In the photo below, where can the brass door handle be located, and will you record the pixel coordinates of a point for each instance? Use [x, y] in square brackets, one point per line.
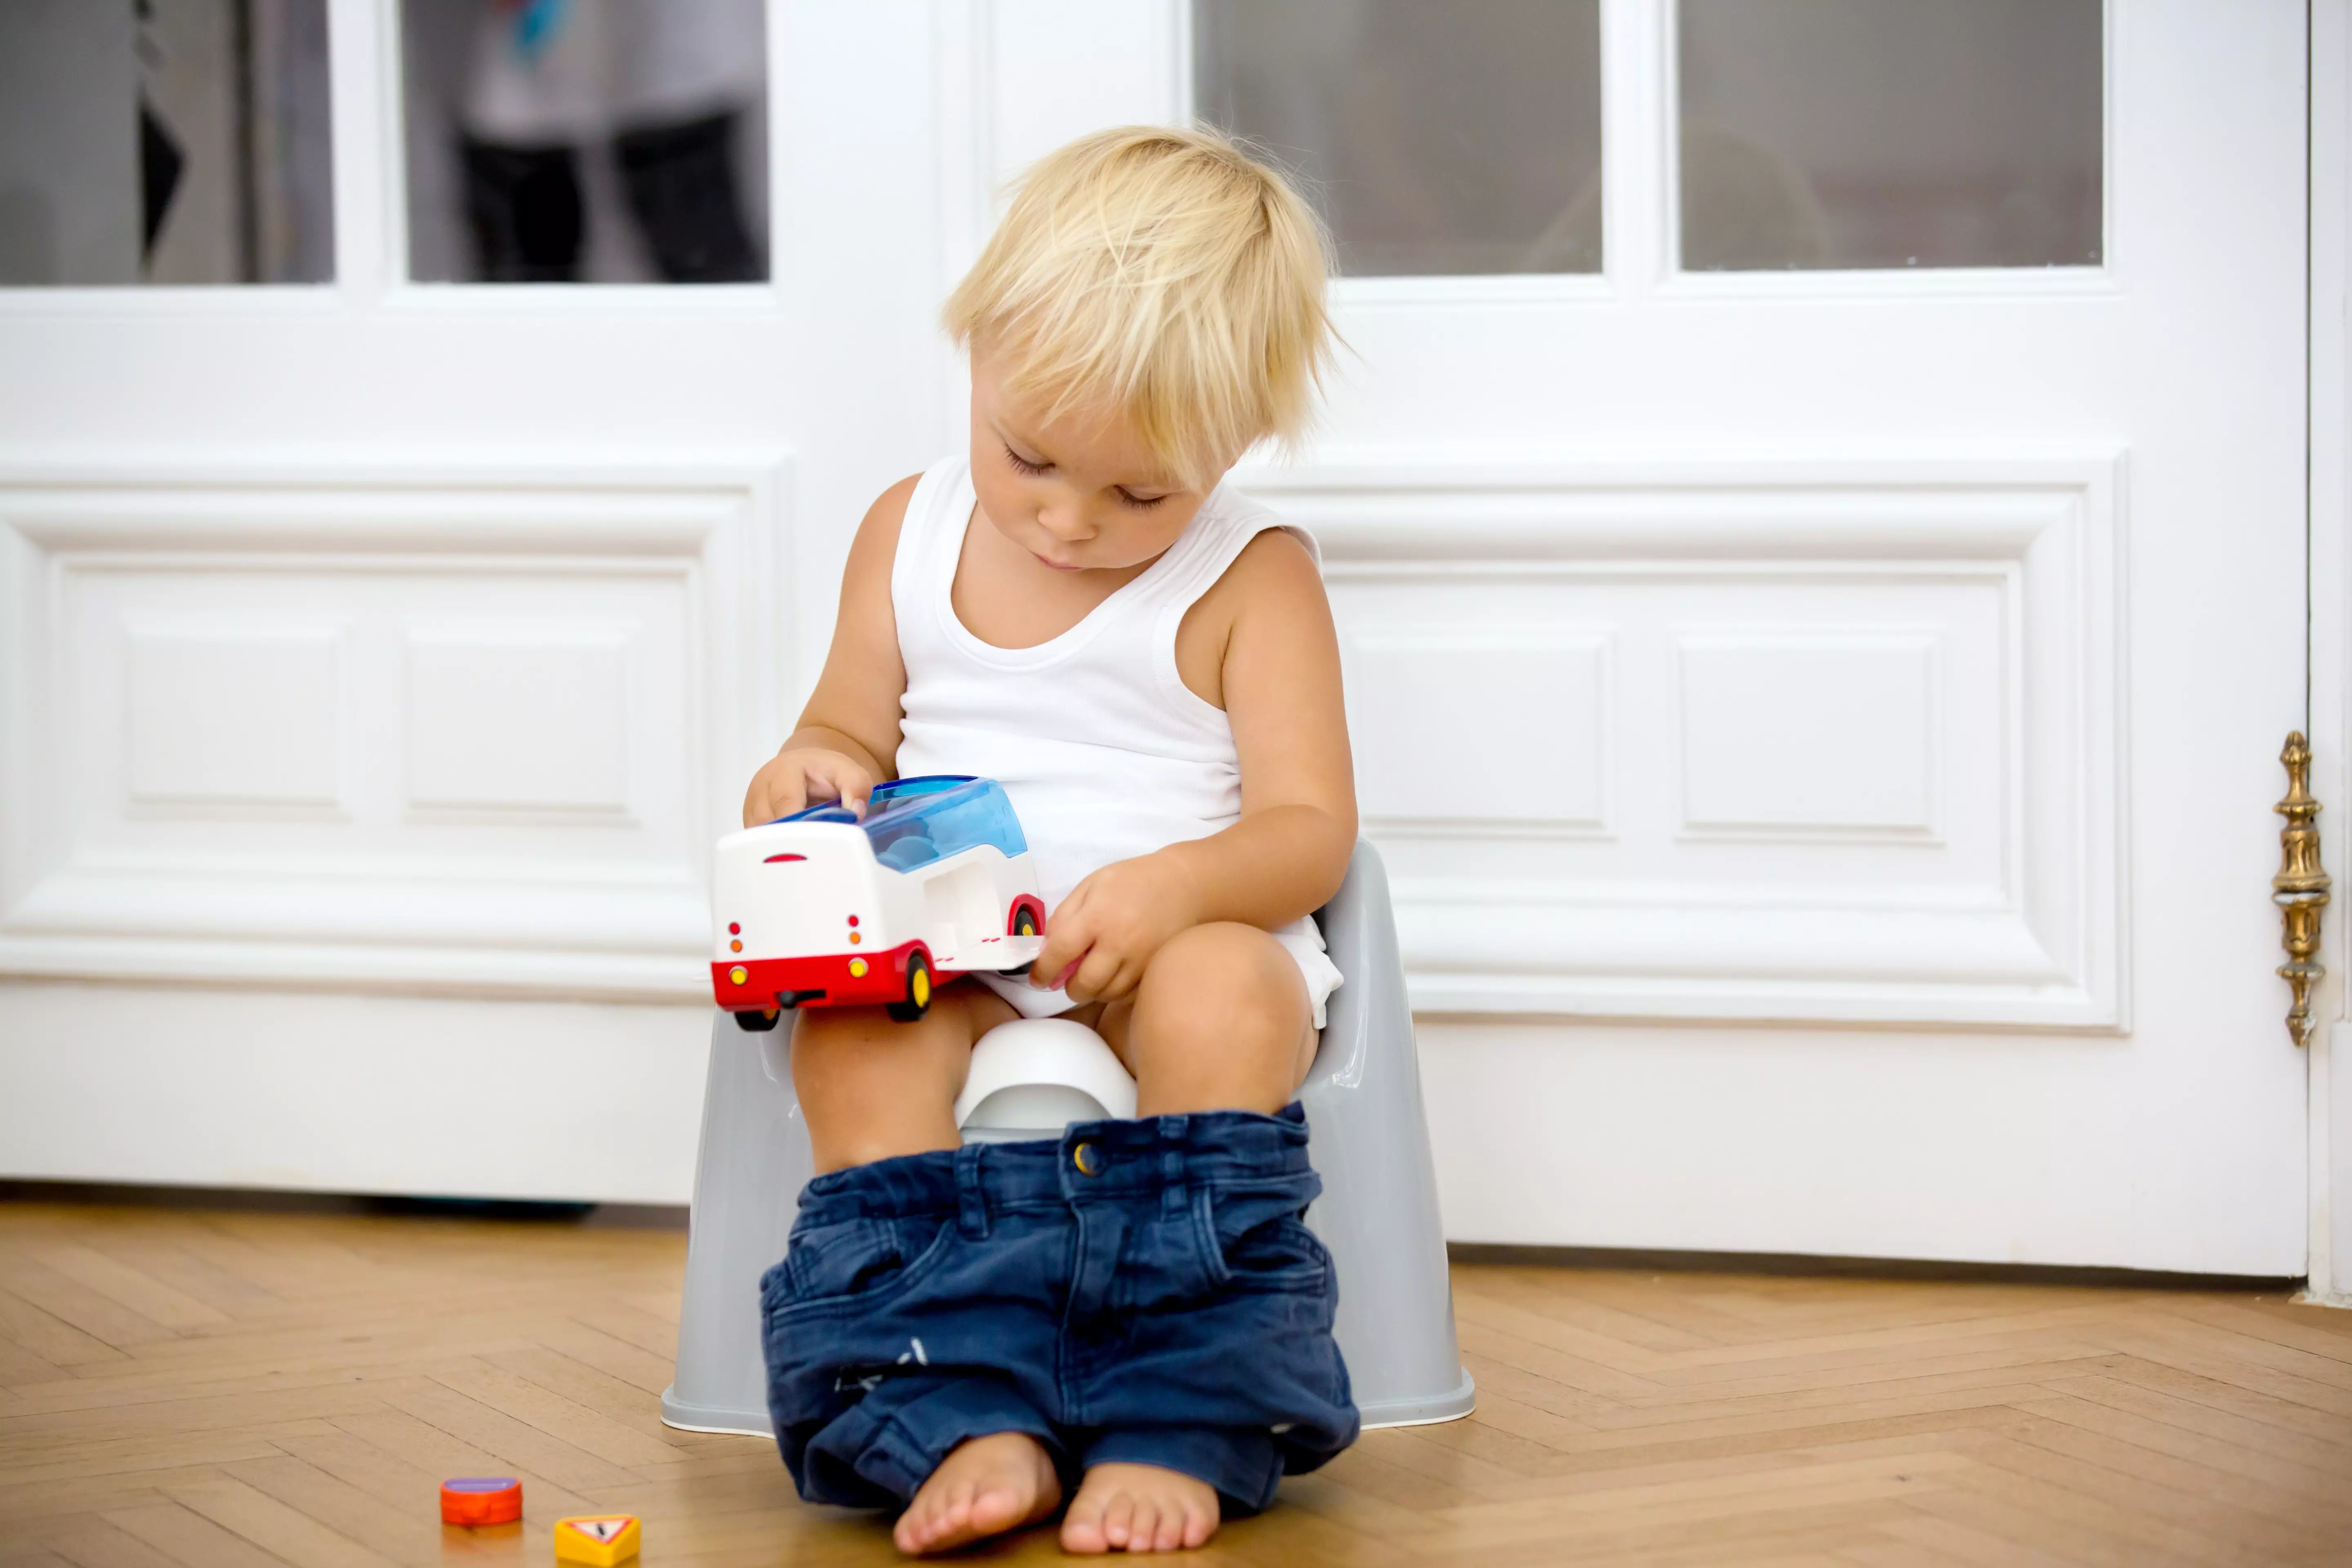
[2300, 888]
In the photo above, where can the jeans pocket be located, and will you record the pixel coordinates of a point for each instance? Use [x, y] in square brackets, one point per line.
[1246, 1248]
[852, 1260]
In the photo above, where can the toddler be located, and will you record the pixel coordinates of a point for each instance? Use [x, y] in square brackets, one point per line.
[1146, 660]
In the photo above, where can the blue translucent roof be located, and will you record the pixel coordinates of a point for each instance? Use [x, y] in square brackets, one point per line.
[913, 822]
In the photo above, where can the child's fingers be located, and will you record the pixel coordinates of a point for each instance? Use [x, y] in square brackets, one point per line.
[786, 792]
[1122, 984]
[810, 783]
[765, 801]
[856, 789]
[1053, 972]
[1092, 982]
[845, 780]
[1060, 971]
[1068, 934]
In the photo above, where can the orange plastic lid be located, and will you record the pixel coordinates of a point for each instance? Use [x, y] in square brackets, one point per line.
[481, 1499]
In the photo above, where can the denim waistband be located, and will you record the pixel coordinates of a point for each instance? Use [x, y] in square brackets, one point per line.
[1092, 1162]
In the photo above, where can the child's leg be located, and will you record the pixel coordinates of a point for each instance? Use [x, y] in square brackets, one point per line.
[1221, 1022]
[873, 1088]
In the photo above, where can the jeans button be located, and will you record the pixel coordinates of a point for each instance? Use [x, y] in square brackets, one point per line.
[1085, 1158]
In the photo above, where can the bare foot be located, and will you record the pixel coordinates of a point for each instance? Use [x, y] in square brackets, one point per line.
[985, 1485]
[1139, 1508]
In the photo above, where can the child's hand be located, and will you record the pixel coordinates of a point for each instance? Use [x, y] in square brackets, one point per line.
[796, 778]
[1102, 935]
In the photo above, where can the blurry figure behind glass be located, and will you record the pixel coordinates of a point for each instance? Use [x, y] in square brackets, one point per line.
[561, 113]
[172, 142]
[1880, 134]
[1455, 138]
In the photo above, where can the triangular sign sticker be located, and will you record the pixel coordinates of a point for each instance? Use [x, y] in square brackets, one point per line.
[600, 1529]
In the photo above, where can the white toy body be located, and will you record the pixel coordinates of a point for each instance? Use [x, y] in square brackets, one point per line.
[808, 913]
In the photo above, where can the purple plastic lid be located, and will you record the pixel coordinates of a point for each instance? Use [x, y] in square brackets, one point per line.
[479, 1484]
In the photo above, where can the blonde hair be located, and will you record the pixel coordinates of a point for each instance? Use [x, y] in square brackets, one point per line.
[1167, 274]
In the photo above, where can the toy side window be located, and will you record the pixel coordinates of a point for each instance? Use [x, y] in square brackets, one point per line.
[935, 823]
[976, 814]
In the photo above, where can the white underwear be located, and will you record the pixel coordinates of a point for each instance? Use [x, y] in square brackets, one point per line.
[1302, 939]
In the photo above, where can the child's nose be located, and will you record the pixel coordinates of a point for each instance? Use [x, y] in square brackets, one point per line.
[1068, 524]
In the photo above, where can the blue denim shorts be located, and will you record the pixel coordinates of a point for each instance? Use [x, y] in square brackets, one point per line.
[1143, 1292]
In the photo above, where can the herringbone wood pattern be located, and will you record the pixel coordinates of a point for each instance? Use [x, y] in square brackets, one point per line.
[236, 1388]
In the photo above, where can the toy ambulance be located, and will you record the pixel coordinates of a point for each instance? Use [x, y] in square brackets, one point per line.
[827, 908]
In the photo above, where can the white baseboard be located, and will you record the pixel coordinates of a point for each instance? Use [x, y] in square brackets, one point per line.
[328, 1092]
[1545, 1134]
[1943, 1147]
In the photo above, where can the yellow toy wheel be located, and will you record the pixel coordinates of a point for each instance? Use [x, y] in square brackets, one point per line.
[919, 989]
[1024, 922]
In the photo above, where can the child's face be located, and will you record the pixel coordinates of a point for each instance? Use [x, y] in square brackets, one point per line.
[1080, 493]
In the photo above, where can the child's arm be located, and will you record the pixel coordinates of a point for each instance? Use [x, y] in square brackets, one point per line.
[847, 740]
[1271, 660]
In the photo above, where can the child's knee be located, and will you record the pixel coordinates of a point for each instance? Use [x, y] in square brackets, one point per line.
[1221, 1022]
[872, 1087]
[1226, 976]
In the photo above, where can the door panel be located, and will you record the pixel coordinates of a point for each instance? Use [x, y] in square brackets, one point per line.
[1840, 740]
[383, 657]
[1889, 666]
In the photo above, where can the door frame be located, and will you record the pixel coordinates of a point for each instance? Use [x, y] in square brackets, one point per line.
[2330, 656]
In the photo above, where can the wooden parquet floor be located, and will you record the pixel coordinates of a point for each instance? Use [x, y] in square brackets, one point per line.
[235, 1388]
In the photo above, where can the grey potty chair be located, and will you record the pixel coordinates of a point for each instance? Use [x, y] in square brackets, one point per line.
[1368, 1141]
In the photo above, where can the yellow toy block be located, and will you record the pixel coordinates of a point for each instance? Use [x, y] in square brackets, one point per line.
[599, 1539]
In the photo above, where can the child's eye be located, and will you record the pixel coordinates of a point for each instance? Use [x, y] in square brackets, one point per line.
[1140, 503]
[1024, 463]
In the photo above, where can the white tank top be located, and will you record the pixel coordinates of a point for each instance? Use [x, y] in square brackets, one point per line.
[1105, 752]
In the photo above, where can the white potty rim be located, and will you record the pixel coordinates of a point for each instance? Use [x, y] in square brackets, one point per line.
[1056, 1052]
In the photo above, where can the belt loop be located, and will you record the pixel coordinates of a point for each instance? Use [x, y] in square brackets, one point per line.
[971, 1201]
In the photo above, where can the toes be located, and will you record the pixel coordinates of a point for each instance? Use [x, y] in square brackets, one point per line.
[912, 1531]
[1143, 1525]
[981, 1489]
[924, 1521]
[1149, 1509]
[995, 1508]
[1168, 1529]
[1118, 1520]
[1082, 1529]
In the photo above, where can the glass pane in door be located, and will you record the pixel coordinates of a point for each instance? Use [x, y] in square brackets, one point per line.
[164, 142]
[586, 140]
[1453, 137]
[1888, 134]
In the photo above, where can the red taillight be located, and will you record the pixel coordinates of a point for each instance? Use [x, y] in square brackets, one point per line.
[852, 920]
[734, 930]
[774, 859]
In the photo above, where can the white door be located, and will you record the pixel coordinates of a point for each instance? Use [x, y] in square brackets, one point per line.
[1815, 505]
[383, 651]
[1816, 511]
